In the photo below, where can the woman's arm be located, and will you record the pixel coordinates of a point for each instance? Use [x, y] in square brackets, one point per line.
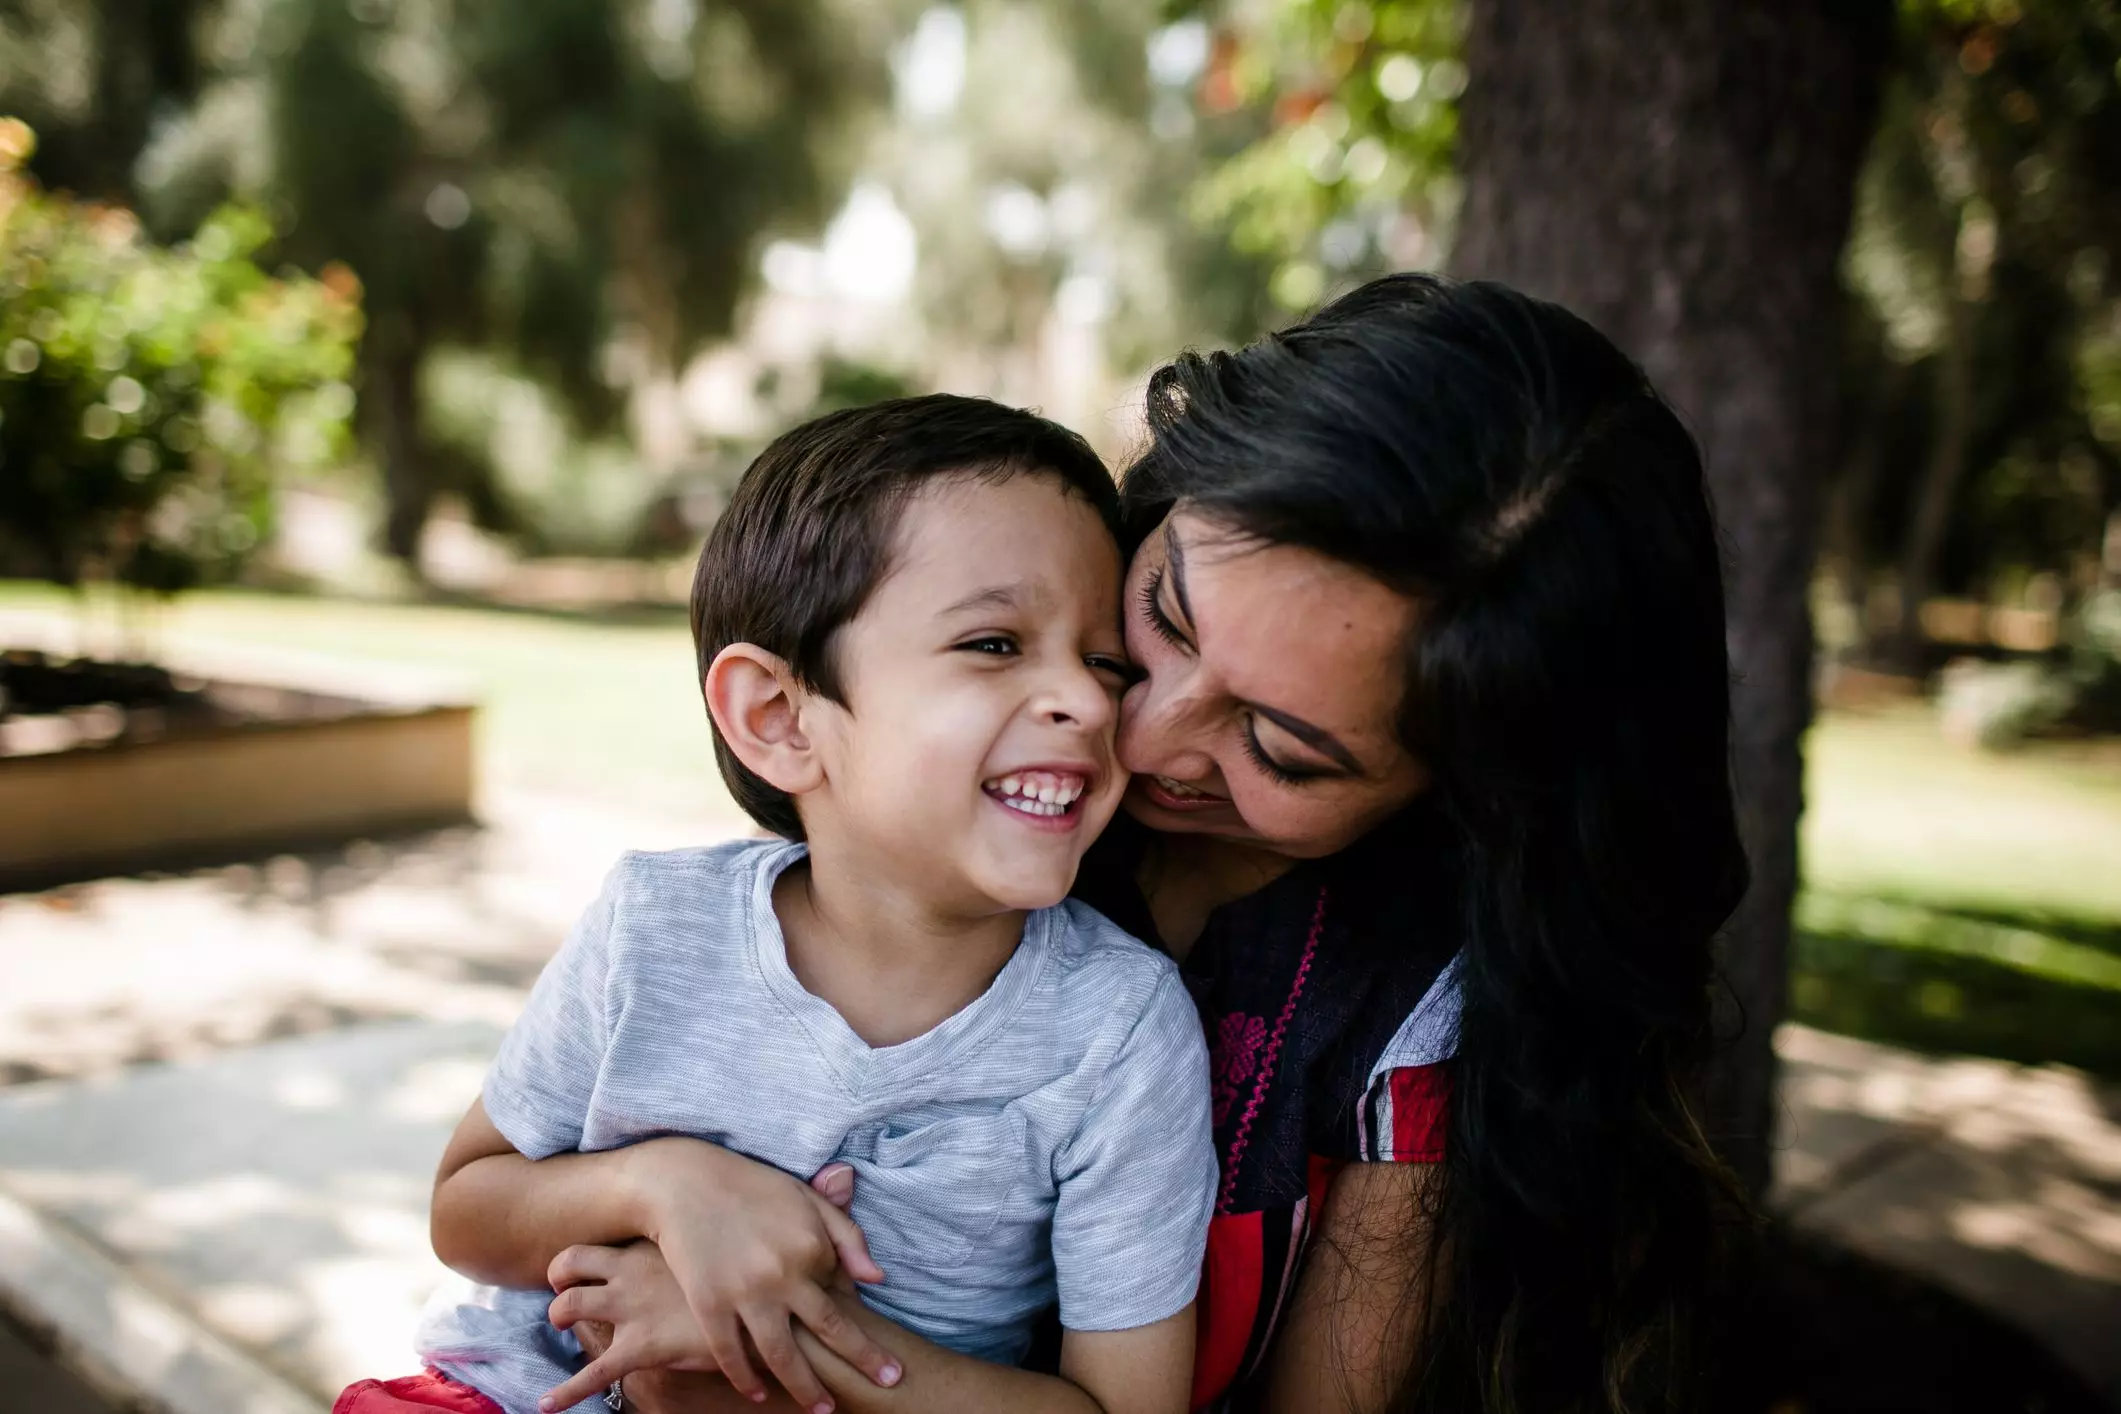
[750, 1247]
[1354, 1328]
[1147, 1370]
[1142, 1371]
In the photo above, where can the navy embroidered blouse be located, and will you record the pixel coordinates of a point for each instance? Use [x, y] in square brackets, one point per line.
[1330, 1002]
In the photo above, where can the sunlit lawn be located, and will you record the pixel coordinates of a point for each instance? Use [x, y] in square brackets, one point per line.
[578, 705]
[1957, 900]
[1962, 900]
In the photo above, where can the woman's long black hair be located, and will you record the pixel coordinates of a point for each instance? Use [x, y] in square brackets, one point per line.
[1568, 688]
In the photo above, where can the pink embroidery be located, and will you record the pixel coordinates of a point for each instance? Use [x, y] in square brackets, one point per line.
[1232, 1058]
[1266, 1063]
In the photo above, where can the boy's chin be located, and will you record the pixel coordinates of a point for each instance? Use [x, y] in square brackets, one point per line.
[1029, 889]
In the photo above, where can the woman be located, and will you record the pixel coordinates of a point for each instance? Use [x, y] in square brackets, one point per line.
[1432, 803]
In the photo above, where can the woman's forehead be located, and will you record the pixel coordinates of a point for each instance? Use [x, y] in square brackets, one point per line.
[1290, 628]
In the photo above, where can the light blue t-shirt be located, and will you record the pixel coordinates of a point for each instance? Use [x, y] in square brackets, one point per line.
[1051, 1141]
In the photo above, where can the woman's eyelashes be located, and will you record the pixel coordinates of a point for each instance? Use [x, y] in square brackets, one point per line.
[1151, 598]
[1248, 738]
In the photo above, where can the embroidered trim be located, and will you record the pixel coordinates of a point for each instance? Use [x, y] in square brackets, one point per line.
[1266, 1062]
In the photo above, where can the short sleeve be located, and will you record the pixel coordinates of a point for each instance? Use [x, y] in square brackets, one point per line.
[1406, 1101]
[538, 1091]
[1137, 1180]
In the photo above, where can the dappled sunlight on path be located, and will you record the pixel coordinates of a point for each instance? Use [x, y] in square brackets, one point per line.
[2001, 1182]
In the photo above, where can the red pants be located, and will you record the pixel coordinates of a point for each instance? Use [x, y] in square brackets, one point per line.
[413, 1394]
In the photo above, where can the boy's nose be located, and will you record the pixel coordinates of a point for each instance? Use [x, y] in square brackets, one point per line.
[1080, 698]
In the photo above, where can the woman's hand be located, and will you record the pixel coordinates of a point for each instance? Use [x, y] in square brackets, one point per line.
[625, 1302]
[756, 1259]
[676, 1391]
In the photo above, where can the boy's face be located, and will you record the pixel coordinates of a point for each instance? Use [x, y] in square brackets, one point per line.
[973, 759]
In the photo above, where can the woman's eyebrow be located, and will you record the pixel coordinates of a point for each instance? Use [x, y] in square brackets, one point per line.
[1177, 557]
[1317, 738]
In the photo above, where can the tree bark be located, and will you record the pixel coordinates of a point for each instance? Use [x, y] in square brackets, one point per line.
[1682, 175]
[390, 398]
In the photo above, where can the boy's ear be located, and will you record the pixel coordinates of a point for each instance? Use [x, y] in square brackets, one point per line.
[756, 706]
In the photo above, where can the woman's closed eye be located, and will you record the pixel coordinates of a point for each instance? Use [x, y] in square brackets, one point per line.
[1282, 771]
[1160, 623]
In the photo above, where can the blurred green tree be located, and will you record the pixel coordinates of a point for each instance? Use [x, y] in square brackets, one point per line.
[1986, 360]
[1982, 365]
[1356, 171]
[578, 185]
[1041, 151]
[148, 396]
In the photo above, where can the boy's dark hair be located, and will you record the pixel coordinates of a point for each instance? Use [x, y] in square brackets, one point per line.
[808, 534]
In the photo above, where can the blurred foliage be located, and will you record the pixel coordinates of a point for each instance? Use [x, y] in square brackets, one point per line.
[516, 444]
[148, 396]
[1354, 174]
[1983, 369]
[579, 183]
[1985, 406]
[1044, 181]
[849, 383]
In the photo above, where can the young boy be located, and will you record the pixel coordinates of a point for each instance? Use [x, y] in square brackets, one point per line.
[909, 642]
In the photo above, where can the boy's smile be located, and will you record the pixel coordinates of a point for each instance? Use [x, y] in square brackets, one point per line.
[1046, 795]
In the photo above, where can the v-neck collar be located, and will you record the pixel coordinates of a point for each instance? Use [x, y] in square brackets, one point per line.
[861, 1067]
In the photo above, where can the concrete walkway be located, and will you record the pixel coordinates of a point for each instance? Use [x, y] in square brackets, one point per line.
[243, 1227]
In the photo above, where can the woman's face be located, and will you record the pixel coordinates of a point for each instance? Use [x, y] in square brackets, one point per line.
[1267, 715]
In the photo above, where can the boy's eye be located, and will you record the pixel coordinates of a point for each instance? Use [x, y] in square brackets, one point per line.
[1116, 667]
[999, 645]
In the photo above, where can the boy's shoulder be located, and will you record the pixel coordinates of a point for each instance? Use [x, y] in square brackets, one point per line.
[1095, 955]
[684, 893]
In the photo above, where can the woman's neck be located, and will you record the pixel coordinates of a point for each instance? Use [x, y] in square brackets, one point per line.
[1185, 878]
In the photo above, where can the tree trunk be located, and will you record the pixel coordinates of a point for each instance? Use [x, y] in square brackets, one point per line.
[1922, 553]
[1850, 499]
[1682, 175]
[390, 399]
[1938, 492]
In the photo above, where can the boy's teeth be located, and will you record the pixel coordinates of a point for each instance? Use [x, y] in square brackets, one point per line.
[1040, 792]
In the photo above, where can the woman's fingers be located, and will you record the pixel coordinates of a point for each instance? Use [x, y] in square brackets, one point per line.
[576, 1265]
[824, 1319]
[776, 1346]
[726, 1343]
[589, 1381]
[849, 1244]
[582, 1303]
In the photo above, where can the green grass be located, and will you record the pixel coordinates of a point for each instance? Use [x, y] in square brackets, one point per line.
[1959, 900]
[1955, 900]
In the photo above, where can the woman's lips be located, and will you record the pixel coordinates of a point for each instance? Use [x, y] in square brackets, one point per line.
[1167, 794]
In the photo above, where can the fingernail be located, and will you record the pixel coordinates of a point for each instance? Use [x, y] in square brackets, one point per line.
[757, 1396]
[823, 1406]
[547, 1405]
[889, 1374]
